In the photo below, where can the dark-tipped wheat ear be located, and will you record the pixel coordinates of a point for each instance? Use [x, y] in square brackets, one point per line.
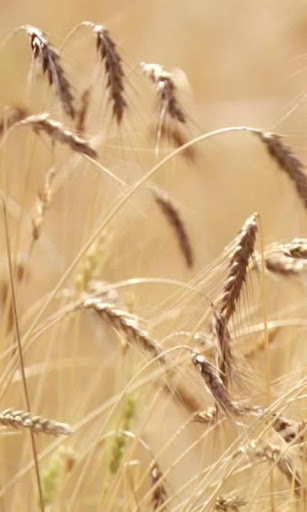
[113, 68]
[51, 64]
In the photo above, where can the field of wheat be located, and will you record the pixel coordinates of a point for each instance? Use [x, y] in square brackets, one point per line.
[153, 269]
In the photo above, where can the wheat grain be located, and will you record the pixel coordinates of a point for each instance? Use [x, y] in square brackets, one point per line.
[229, 503]
[51, 64]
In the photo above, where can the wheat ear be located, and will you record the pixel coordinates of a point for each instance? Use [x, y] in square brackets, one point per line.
[172, 214]
[127, 325]
[51, 64]
[57, 132]
[286, 161]
[37, 424]
[244, 248]
[113, 68]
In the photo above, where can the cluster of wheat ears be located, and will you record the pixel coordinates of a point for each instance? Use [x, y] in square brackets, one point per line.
[200, 406]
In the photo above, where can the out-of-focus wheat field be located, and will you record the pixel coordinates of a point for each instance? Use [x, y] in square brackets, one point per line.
[136, 445]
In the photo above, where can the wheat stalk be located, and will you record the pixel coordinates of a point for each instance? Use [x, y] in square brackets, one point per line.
[57, 132]
[51, 64]
[37, 424]
[172, 214]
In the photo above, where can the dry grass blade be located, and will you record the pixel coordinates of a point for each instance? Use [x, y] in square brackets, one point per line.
[11, 116]
[37, 424]
[113, 67]
[51, 64]
[172, 214]
[244, 248]
[286, 161]
[225, 357]
[57, 132]
[159, 494]
[127, 325]
[42, 204]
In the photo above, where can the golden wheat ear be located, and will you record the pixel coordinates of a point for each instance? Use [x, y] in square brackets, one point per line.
[52, 66]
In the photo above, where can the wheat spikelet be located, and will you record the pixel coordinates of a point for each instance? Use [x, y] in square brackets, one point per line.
[42, 204]
[57, 132]
[286, 160]
[11, 116]
[127, 325]
[244, 248]
[51, 64]
[172, 214]
[83, 110]
[113, 68]
[159, 494]
[37, 424]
